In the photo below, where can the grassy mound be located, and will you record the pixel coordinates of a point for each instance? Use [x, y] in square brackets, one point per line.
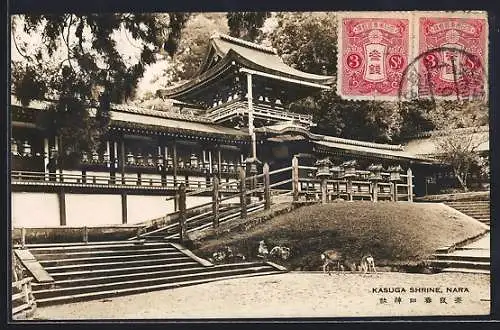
[394, 233]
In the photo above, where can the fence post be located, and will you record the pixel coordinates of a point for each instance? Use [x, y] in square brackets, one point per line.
[23, 237]
[243, 197]
[267, 188]
[295, 178]
[215, 202]
[85, 234]
[394, 192]
[182, 212]
[409, 180]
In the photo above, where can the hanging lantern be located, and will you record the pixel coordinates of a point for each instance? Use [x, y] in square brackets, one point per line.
[53, 153]
[106, 157]
[376, 172]
[85, 157]
[170, 162]
[395, 173]
[207, 167]
[232, 168]
[215, 168]
[13, 147]
[159, 160]
[95, 156]
[140, 159]
[26, 149]
[323, 168]
[150, 161]
[180, 163]
[349, 168]
[193, 161]
[224, 166]
[130, 158]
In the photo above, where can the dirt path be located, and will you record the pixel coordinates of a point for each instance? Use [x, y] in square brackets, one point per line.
[293, 295]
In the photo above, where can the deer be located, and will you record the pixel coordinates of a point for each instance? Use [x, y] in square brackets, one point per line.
[332, 257]
[368, 263]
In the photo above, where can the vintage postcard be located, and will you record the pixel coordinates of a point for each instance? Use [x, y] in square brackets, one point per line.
[223, 165]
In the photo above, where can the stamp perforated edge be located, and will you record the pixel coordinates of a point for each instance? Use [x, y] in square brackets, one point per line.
[365, 14]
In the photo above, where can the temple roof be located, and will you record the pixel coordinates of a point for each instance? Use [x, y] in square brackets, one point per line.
[426, 143]
[226, 52]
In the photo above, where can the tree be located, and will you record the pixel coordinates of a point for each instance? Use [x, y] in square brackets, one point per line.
[245, 24]
[460, 123]
[76, 61]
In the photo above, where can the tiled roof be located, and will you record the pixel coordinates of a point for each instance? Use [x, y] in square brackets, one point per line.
[428, 144]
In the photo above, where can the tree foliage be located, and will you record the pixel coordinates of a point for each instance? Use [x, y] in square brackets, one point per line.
[77, 61]
[245, 24]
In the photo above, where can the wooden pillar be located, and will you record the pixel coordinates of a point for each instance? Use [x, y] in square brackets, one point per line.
[23, 237]
[182, 212]
[122, 160]
[250, 115]
[124, 207]
[174, 156]
[409, 180]
[210, 161]
[219, 161]
[46, 157]
[243, 197]
[215, 202]
[267, 188]
[61, 195]
[295, 178]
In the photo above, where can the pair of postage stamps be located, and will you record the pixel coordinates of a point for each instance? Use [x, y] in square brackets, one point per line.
[402, 56]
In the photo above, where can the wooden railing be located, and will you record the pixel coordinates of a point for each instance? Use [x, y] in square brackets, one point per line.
[22, 296]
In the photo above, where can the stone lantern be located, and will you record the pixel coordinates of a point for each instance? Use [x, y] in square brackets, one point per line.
[193, 161]
[231, 167]
[323, 173]
[26, 149]
[323, 168]
[376, 172]
[395, 173]
[349, 168]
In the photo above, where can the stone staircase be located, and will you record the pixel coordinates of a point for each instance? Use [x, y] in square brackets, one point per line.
[470, 258]
[99, 270]
[479, 210]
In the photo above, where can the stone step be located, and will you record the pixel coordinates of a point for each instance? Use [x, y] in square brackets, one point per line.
[112, 277]
[146, 288]
[110, 265]
[106, 259]
[459, 264]
[128, 245]
[79, 274]
[102, 253]
[453, 257]
[465, 270]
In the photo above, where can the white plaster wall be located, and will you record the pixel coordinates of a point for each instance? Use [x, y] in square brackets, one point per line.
[142, 208]
[93, 210]
[35, 209]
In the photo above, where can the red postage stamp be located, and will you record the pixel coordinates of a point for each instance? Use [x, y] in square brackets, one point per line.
[373, 53]
[453, 54]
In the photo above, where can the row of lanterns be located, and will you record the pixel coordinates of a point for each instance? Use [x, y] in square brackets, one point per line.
[25, 148]
[326, 169]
